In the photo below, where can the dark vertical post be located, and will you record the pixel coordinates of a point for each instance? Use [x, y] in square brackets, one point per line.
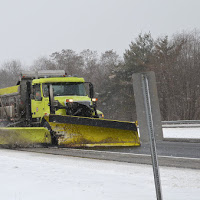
[149, 119]
[150, 123]
[28, 103]
[51, 99]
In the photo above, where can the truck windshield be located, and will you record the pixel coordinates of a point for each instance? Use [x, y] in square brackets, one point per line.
[65, 89]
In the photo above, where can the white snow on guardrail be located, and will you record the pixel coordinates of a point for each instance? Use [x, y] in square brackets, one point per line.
[190, 132]
[184, 132]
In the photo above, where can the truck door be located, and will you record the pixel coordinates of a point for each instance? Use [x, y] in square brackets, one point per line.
[36, 102]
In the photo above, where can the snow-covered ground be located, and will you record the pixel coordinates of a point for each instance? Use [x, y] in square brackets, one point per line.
[31, 176]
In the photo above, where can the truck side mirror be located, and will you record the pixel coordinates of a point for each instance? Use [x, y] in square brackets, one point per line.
[51, 99]
[91, 90]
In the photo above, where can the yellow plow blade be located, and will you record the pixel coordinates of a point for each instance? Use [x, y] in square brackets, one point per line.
[90, 132]
[24, 136]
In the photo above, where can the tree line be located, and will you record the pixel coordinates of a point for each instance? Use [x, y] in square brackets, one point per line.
[175, 61]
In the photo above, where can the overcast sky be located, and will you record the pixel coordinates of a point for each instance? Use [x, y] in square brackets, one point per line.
[33, 28]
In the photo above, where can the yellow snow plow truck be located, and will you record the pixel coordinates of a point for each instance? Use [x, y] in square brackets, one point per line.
[51, 108]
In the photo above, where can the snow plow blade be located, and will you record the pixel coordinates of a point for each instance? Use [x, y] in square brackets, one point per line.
[75, 131]
[24, 136]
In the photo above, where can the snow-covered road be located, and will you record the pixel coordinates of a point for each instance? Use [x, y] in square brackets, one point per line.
[30, 176]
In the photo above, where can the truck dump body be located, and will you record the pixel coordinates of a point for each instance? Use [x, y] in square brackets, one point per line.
[10, 90]
[9, 103]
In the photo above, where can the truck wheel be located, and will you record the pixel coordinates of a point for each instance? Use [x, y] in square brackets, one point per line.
[54, 140]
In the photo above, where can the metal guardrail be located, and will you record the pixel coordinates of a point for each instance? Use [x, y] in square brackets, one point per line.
[182, 122]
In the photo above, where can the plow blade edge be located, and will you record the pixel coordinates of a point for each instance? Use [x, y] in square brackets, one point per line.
[24, 136]
[75, 131]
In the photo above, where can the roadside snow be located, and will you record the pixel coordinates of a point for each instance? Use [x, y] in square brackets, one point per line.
[182, 133]
[30, 176]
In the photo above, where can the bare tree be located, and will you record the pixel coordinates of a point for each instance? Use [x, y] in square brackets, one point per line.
[9, 73]
[43, 63]
[68, 60]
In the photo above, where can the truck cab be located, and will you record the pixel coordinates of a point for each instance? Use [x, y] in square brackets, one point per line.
[38, 94]
[63, 96]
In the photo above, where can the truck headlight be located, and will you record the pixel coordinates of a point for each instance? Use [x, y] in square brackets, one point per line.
[101, 115]
[94, 99]
[69, 100]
